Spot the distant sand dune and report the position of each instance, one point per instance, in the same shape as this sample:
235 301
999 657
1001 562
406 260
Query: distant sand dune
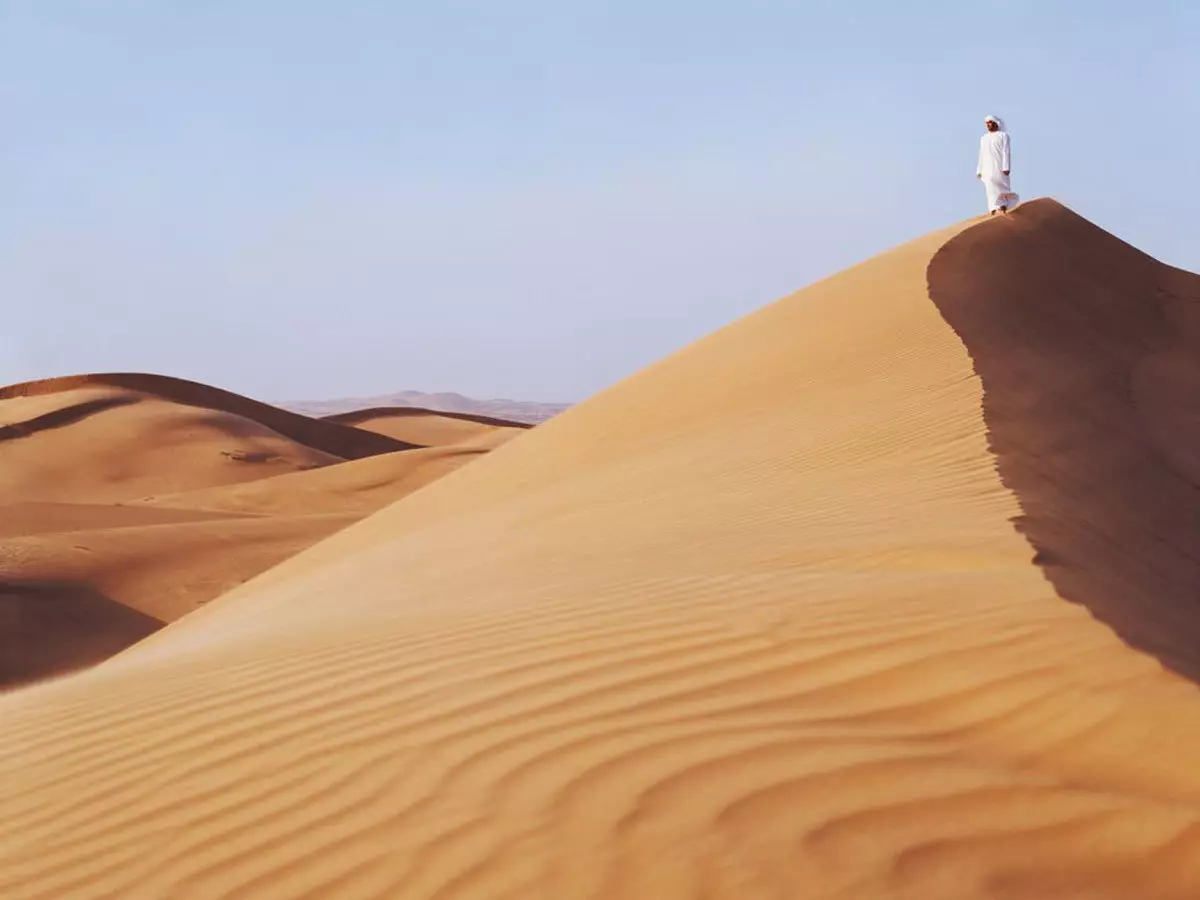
110 445
230 498
328 437
359 486
425 427
1089 353
166 570
835 603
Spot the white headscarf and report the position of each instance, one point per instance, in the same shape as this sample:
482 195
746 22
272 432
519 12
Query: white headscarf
999 122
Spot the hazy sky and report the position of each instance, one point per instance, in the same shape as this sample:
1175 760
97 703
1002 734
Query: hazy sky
531 198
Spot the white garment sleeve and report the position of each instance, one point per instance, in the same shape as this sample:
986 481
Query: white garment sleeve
979 162
1005 155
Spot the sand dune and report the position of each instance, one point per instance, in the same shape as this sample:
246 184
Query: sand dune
80 581
327 437
165 570
126 582
122 445
511 410
425 427
52 627
17 519
880 592
360 486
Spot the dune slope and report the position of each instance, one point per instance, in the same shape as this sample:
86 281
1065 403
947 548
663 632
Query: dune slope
50 627
359 486
167 556
1089 353
770 619
89 564
168 569
107 446
424 427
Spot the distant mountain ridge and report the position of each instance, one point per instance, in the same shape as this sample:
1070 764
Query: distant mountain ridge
515 410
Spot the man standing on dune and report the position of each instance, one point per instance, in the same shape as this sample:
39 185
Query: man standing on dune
995 166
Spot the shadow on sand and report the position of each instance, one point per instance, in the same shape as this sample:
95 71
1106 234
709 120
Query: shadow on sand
1089 356
48 628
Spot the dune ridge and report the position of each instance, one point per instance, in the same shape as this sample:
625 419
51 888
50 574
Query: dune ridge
426 427
360 486
532 413
329 437
778 616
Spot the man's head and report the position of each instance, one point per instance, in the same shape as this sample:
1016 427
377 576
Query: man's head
992 123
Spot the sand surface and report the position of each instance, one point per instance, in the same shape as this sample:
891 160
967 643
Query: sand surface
90 562
428 429
886 591
456 404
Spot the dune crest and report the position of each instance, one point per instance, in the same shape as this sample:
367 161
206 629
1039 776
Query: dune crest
779 616
327 437
428 428
1089 353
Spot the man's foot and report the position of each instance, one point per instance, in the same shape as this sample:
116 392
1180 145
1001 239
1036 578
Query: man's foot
1004 209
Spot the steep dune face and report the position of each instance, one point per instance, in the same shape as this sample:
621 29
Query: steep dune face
759 622
1089 353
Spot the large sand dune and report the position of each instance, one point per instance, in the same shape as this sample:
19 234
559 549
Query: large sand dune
885 591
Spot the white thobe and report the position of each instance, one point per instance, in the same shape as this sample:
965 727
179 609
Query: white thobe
995 161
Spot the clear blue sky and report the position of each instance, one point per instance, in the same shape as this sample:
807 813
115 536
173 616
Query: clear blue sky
531 198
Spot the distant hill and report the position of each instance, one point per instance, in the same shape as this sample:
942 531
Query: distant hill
512 410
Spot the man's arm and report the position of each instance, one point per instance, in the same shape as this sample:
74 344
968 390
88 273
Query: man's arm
1005 156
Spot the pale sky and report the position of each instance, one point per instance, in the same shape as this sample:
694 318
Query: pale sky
531 198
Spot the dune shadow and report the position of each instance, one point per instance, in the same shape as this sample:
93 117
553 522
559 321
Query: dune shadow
48 628
68 415
338 440
356 416
1089 357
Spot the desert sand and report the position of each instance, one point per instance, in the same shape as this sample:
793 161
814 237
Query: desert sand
90 562
523 411
416 425
885 591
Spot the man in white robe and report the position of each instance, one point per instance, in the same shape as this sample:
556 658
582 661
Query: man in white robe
995 166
